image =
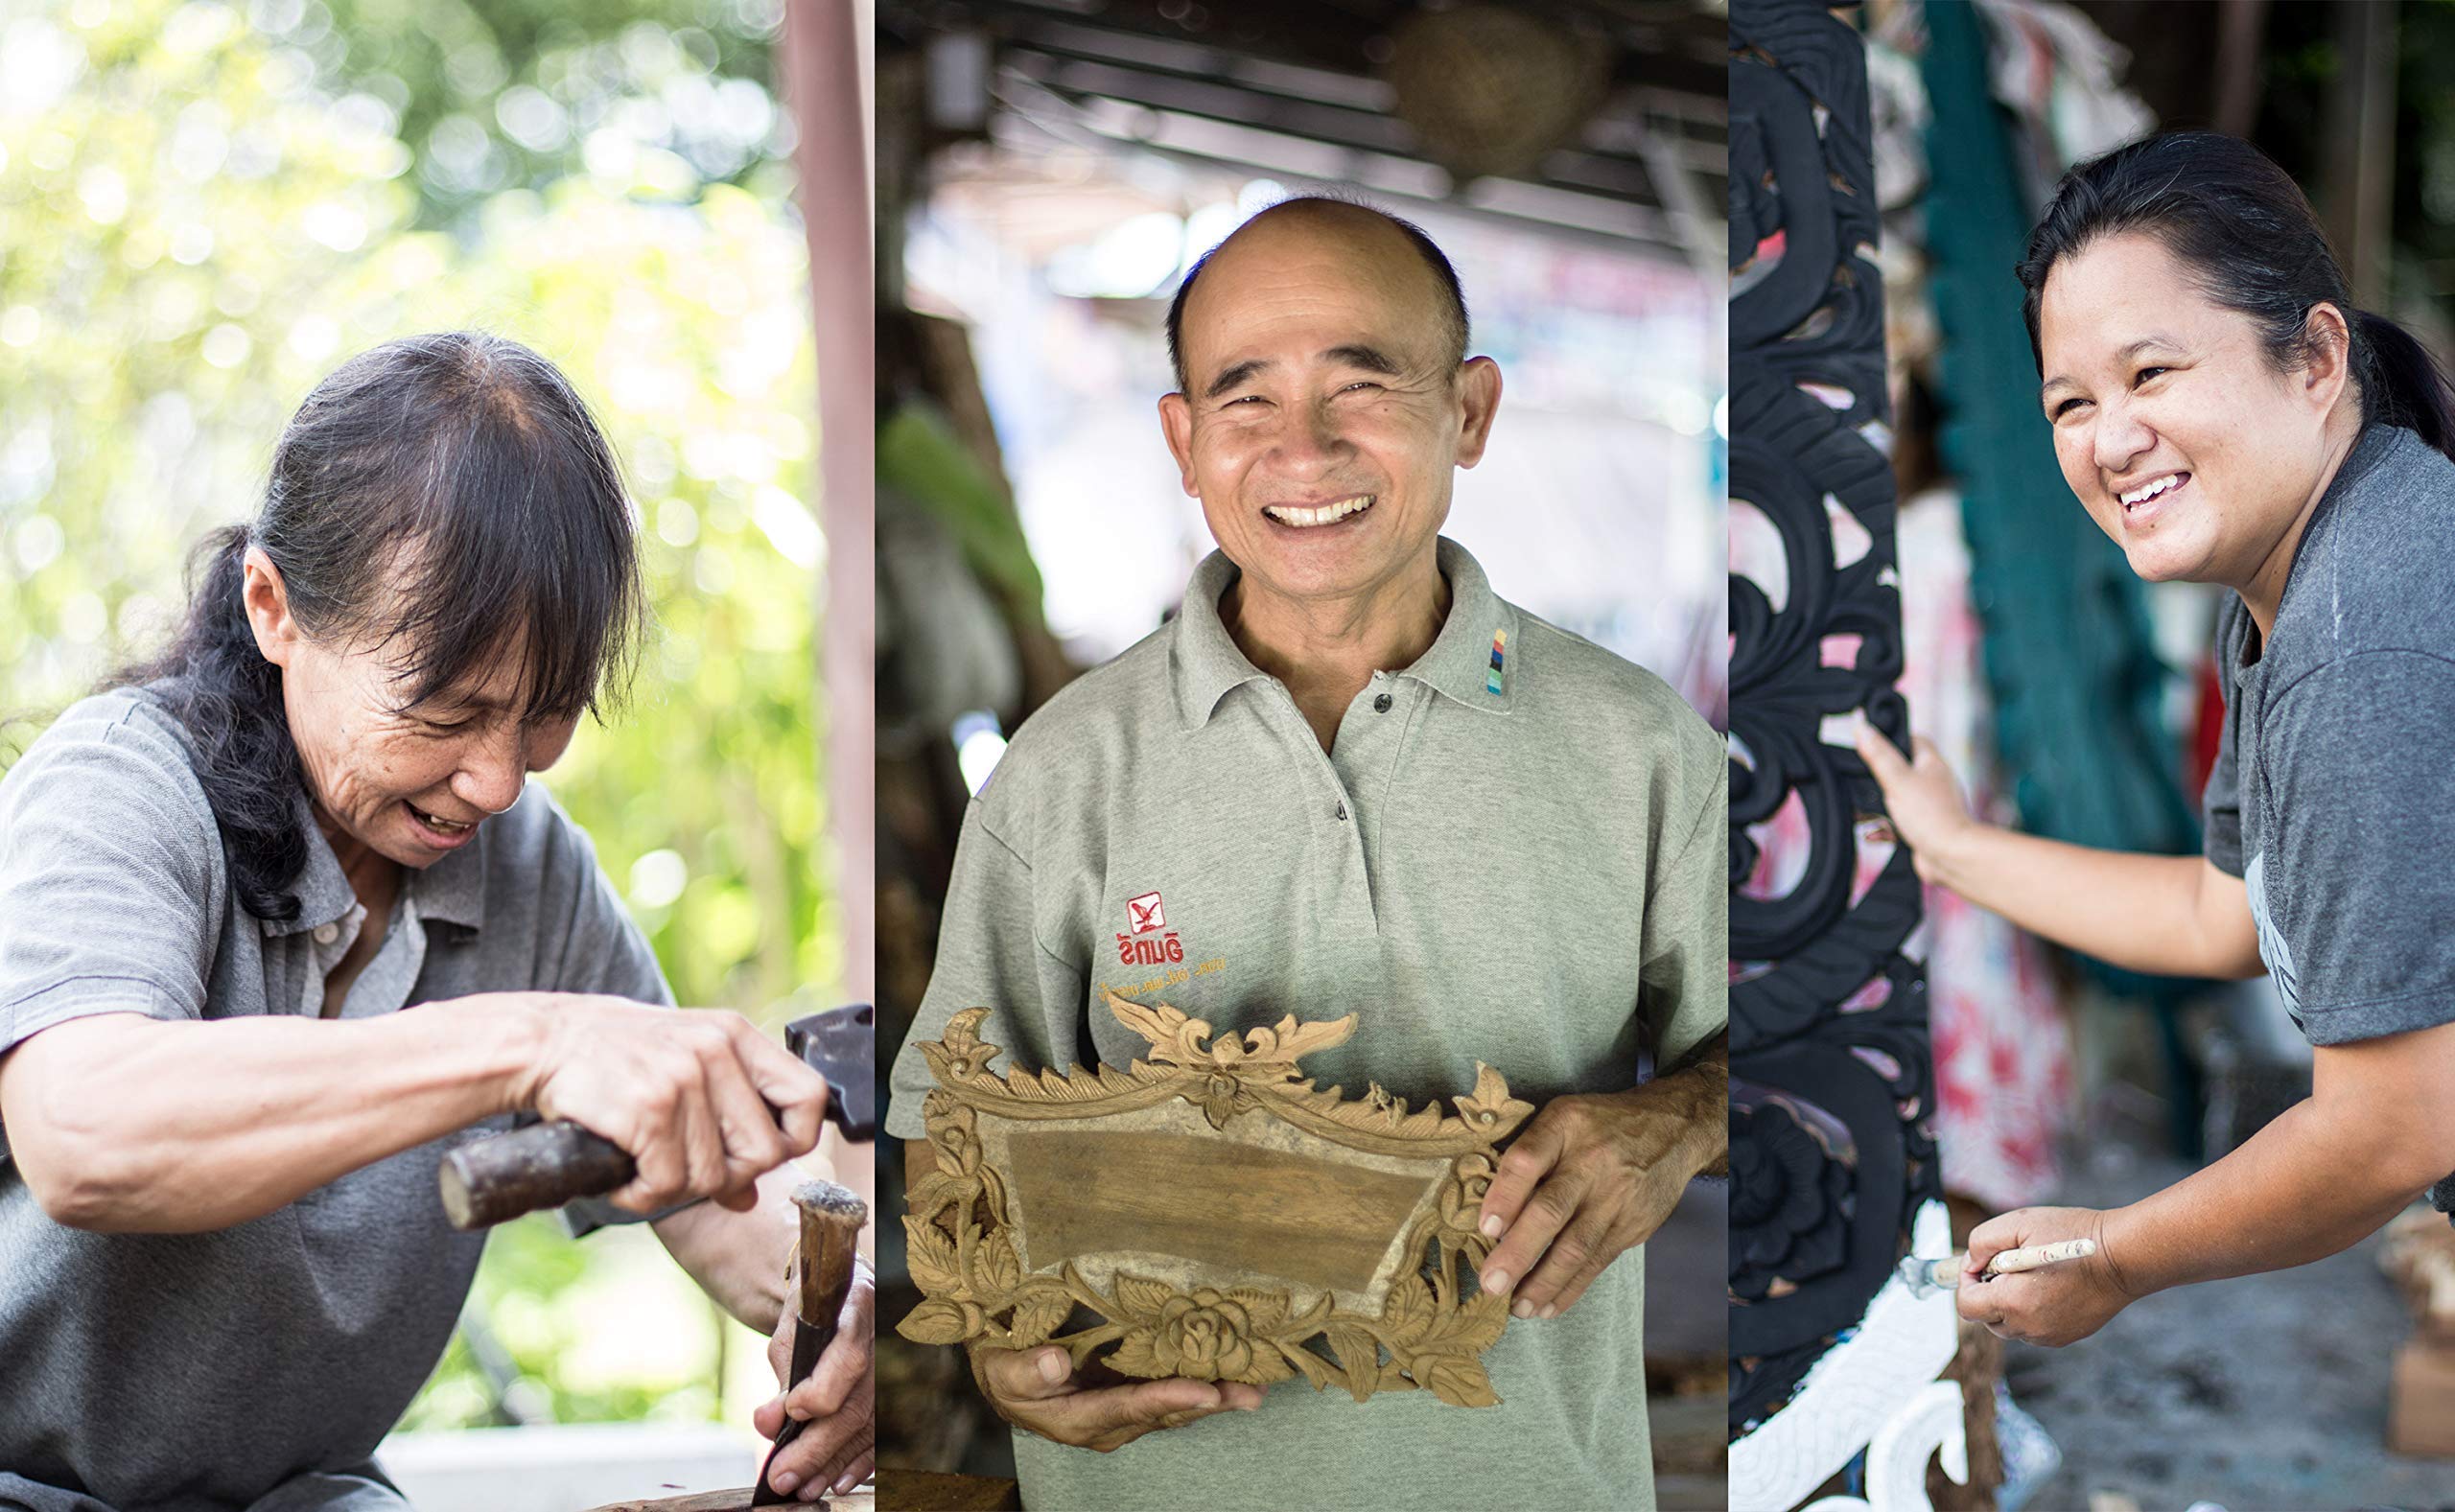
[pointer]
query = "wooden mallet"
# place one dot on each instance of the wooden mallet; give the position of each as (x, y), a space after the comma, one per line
(831, 1220)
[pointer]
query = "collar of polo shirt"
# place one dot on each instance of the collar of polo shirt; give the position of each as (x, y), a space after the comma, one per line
(1204, 662)
(452, 890)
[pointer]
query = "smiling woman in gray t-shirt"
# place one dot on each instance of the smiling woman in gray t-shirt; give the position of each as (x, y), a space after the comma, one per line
(223, 1265)
(2224, 414)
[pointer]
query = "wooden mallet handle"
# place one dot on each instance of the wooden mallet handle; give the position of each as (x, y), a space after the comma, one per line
(488, 1182)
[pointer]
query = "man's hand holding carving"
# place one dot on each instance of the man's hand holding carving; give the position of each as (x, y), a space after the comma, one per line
(1595, 1175)
(1037, 1391)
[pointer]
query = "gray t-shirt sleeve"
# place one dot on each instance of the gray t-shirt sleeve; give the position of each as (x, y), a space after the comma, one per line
(603, 952)
(2220, 803)
(989, 956)
(111, 883)
(1684, 982)
(2356, 873)
(111, 887)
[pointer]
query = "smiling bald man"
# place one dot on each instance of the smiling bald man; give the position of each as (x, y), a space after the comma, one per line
(1349, 777)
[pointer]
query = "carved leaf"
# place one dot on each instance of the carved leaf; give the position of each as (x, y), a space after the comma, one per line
(1316, 1369)
(1037, 1315)
(1477, 1325)
(1458, 1379)
(1312, 1320)
(1266, 1310)
(932, 1257)
(1407, 1316)
(1359, 1357)
(1292, 1041)
(1134, 1356)
(934, 1322)
(939, 1189)
(1159, 1023)
(1269, 1367)
(1140, 1298)
(1489, 1109)
(996, 1269)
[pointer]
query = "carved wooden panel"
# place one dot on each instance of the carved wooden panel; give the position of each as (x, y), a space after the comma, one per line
(1832, 1159)
(1209, 1213)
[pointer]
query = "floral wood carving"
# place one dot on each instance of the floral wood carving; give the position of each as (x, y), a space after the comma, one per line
(1419, 1322)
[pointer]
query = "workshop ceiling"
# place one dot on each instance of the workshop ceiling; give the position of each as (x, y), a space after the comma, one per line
(1321, 89)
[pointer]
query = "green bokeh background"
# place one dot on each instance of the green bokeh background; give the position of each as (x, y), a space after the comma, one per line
(205, 207)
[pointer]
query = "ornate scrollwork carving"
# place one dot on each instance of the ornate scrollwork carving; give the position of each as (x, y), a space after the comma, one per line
(1431, 1326)
(1831, 1075)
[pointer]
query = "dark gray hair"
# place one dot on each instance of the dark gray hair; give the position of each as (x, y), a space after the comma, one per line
(449, 493)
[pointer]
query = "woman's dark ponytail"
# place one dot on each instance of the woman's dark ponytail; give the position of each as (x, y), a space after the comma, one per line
(219, 688)
(2401, 384)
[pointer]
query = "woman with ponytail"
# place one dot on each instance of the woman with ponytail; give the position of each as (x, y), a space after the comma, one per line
(2221, 411)
(223, 1268)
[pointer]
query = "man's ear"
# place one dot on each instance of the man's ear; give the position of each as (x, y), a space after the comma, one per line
(1478, 400)
(1176, 423)
(267, 601)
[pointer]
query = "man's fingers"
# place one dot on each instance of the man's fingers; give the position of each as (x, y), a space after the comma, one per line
(1568, 1297)
(1521, 1169)
(1025, 1375)
(1545, 1214)
(1145, 1406)
(1572, 1258)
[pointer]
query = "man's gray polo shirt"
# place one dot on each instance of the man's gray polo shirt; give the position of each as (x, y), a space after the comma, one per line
(1526, 870)
(256, 1366)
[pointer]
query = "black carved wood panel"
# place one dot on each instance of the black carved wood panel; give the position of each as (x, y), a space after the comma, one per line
(1832, 1078)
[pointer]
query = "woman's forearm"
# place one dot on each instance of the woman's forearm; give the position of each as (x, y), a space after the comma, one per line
(2142, 913)
(126, 1124)
(2311, 1183)
(740, 1259)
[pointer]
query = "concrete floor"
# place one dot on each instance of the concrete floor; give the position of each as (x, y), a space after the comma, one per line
(2263, 1392)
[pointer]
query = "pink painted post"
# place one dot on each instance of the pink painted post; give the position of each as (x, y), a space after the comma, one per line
(826, 74)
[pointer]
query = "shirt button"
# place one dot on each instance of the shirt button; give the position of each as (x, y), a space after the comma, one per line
(1381, 705)
(326, 933)
(1342, 811)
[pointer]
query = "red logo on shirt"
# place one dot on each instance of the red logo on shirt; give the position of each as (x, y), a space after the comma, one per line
(1144, 914)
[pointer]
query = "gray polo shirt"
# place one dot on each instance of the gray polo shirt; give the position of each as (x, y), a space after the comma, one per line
(1525, 869)
(256, 1366)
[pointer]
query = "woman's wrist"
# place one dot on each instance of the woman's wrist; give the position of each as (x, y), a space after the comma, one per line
(1946, 858)
(2126, 1249)
(506, 1032)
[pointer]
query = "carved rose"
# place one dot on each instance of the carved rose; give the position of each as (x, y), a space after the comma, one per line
(1205, 1335)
